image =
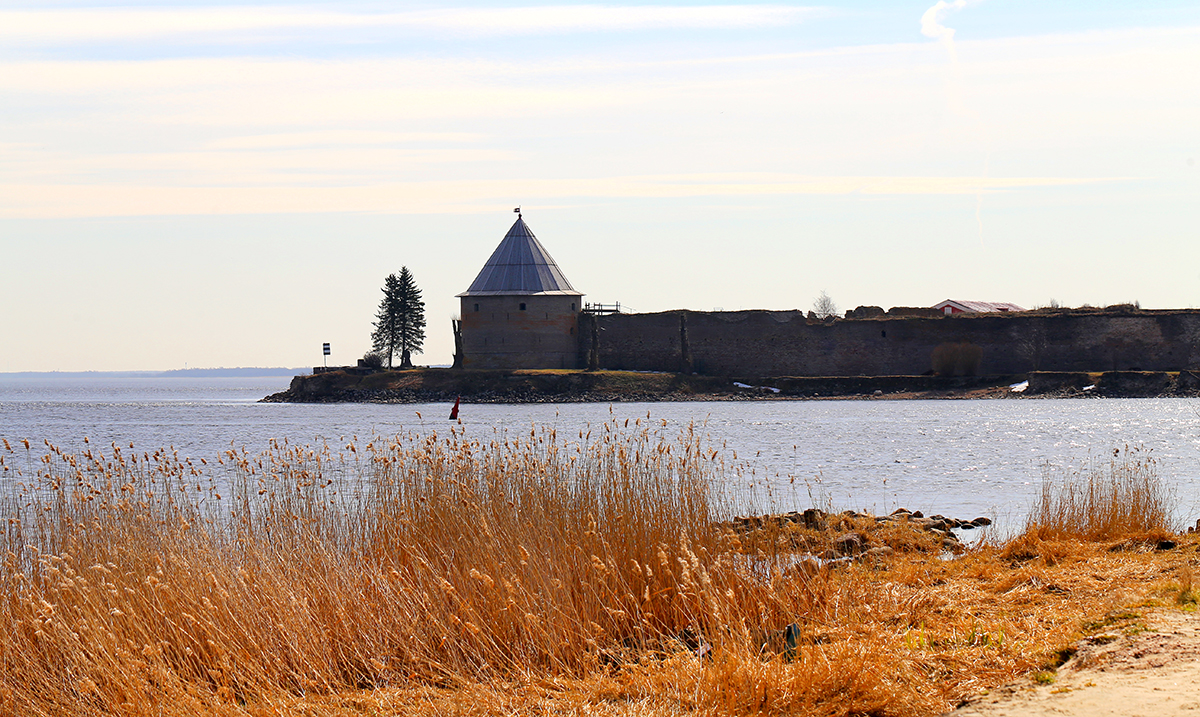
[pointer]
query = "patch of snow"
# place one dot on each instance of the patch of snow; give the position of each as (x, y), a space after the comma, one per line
(761, 388)
(1019, 387)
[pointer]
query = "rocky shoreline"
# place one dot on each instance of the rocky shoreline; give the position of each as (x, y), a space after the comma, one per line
(814, 539)
(447, 385)
(818, 538)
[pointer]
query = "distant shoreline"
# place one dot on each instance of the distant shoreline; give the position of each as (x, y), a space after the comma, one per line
(173, 373)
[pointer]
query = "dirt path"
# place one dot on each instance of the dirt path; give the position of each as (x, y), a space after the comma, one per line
(1149, 668)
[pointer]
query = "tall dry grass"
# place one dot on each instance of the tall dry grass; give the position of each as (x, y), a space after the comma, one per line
(152, 584)
(1121, 498)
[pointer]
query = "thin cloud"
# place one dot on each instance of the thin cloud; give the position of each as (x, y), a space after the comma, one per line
(319, 167)
(248, 135)
(59, 27)
(468, 196)
(339, 138)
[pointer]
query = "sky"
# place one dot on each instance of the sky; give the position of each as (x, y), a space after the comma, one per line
(200, 184)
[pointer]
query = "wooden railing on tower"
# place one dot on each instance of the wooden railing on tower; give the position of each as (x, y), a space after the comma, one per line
(589, 308)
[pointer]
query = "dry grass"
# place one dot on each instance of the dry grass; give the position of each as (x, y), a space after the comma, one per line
(1122, 499)
(530, 575)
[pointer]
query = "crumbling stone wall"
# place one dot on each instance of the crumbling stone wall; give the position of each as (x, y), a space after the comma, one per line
(785, 343)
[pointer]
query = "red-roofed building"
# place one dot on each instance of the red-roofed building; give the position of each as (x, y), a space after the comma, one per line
(950, 307)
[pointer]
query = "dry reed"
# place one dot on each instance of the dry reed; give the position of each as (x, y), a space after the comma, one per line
(472, 574)
(1121, 499)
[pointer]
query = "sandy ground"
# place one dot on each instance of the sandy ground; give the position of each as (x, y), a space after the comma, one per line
(1148, 667)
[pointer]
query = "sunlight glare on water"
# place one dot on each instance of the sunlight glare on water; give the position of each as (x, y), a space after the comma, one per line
(958, 458)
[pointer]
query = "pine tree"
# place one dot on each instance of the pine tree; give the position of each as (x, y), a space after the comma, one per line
(412, 318)
(400, 321)
(385, 339)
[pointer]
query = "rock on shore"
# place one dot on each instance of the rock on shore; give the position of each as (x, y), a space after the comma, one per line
(835, 538)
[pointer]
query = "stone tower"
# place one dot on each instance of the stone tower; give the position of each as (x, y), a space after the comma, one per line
(520, 312)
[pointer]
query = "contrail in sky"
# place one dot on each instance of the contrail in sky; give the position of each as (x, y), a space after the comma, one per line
(987, 161)
(931, 24)
(932, 27)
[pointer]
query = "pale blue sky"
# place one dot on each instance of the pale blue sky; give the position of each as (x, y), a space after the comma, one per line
(228, 184)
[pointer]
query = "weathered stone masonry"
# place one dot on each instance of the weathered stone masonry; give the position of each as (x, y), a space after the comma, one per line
(785, 343)
(530, 331)
(520, 312)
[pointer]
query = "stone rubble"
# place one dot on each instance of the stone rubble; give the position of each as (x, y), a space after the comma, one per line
(852, 545)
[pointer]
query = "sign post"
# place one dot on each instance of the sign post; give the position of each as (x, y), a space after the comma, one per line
(325, 352)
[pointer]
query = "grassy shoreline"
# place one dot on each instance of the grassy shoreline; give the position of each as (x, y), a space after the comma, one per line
(600, 571)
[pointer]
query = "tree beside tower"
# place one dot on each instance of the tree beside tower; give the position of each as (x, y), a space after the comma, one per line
(400, 321)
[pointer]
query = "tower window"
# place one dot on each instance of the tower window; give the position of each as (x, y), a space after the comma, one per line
(477, 307)
(522, 306)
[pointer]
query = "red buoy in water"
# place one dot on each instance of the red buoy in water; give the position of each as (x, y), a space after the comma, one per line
(454, 411)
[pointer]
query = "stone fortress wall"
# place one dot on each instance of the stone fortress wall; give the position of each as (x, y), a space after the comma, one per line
(520, 331)
(786, 343)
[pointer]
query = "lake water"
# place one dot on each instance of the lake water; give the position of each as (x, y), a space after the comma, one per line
(958, 458)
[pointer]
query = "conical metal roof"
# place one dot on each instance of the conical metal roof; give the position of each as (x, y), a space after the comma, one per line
(520, 265)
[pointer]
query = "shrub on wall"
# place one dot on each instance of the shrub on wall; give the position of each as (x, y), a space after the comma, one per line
(957, 359)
